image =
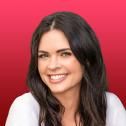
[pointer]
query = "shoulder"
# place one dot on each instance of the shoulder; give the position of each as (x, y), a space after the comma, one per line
(113, 100)
(116, 113)
(26, 100)
(24, 109)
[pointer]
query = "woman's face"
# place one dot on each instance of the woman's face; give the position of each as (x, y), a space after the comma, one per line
(58, 67)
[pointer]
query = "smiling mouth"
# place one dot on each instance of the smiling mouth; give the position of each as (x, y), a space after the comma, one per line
(57, 78)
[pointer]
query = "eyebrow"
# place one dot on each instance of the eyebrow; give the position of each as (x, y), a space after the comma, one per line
(60, 50)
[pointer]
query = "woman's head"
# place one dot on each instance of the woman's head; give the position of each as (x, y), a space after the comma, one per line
(82, 42)
(81, 38)
(57, 65)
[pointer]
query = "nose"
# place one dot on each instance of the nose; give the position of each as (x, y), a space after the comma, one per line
(53, 63)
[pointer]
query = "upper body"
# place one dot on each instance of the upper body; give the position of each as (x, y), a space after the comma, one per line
(68, 77)
(24, 111)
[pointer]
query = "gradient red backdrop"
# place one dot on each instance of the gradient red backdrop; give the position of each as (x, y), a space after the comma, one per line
(19, 18)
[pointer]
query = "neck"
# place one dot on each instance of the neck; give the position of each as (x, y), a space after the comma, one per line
(70, 101)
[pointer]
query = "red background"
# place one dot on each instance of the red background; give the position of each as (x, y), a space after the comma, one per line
(19, 18)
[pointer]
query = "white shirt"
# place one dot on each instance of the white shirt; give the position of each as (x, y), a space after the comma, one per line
(24, 111)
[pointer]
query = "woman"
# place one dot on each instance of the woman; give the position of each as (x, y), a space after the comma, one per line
(67, 78)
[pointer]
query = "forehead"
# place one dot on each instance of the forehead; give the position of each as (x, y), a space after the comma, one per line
(53, 39)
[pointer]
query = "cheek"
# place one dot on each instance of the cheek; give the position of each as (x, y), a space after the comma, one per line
(74, 66)
(41, 68)
(77, 70)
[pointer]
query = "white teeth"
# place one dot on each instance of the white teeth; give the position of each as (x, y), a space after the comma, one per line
(56, 77)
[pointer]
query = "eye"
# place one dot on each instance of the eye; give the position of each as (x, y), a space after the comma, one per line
(65, 54)
(43, 55)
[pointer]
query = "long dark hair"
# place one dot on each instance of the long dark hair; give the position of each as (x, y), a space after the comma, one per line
(85, 46)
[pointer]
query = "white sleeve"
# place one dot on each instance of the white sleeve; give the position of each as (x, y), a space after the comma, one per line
(116, 113)
(21, 113)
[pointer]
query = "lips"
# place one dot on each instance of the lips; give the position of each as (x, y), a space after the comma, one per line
(57, 78)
